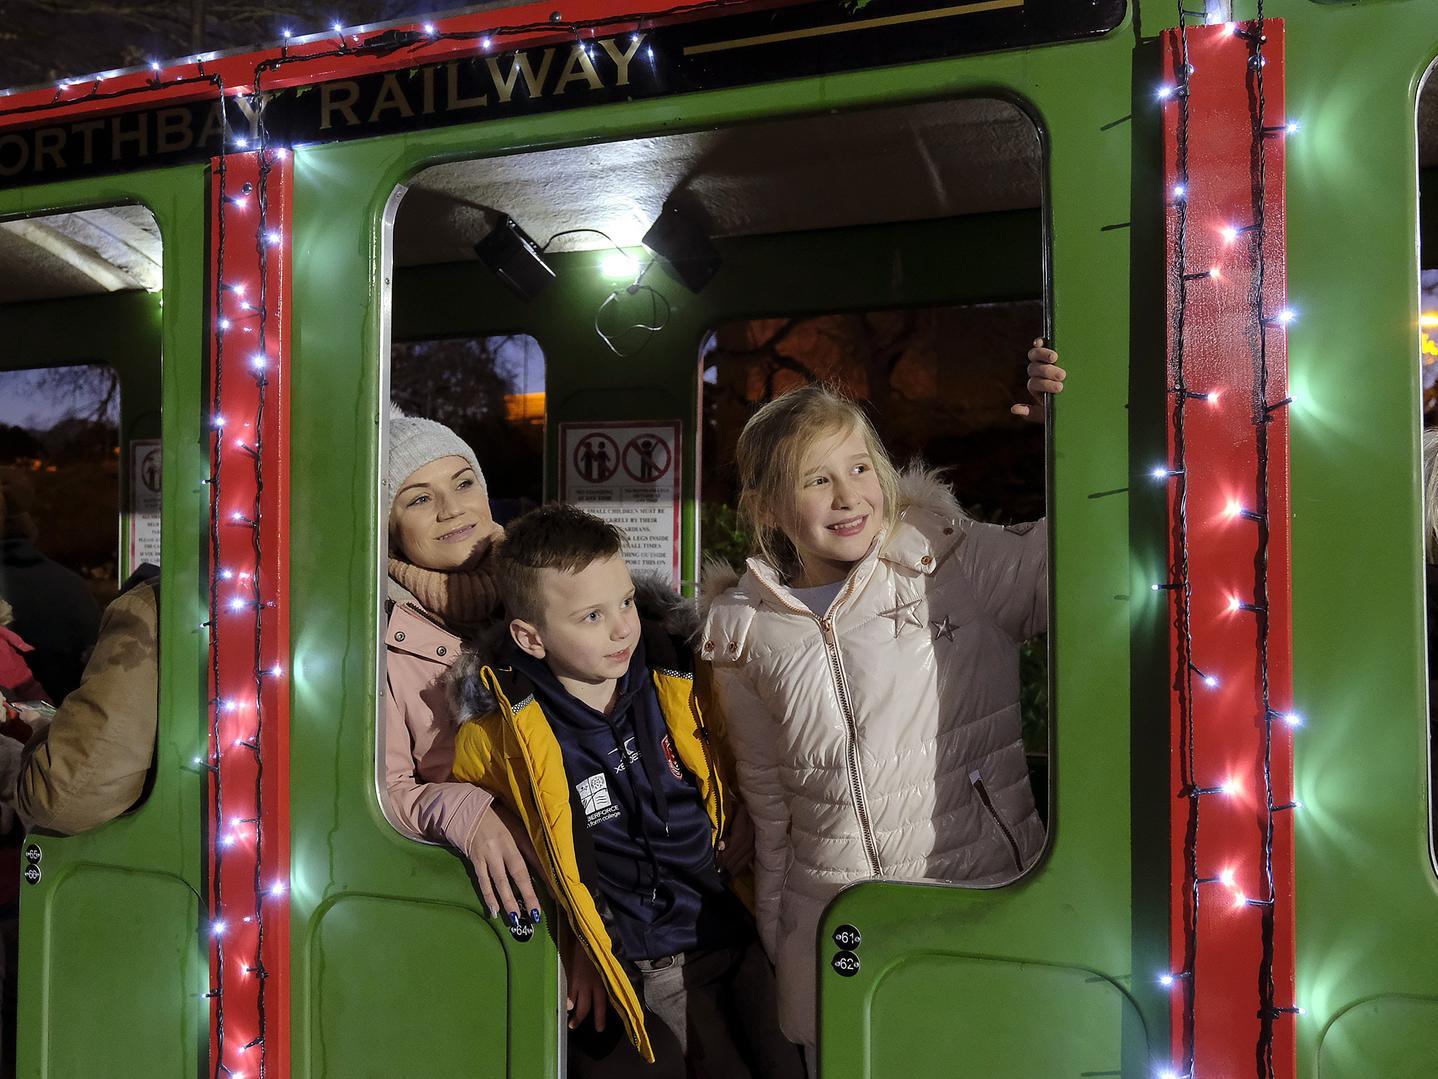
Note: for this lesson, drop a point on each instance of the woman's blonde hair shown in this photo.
(771, 453)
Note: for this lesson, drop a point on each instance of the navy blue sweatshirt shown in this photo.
(658, 886)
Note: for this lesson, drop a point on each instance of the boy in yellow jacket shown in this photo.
(586, 724)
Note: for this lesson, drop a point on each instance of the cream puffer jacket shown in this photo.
(881, 740)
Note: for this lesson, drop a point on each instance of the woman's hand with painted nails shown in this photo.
(498, 850)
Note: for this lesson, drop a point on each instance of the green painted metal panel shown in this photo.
(1036, 1021)
(1392, 1036)
(446, 1021)
(120, 976)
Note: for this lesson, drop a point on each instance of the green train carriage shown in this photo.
(971, 154)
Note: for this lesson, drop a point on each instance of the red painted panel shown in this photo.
(1221, 732)
(248, 814)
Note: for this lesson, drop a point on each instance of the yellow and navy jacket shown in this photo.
(506, 744)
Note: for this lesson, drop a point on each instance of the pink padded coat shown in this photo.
(418, 750)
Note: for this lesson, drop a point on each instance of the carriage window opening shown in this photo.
(79, 426)
(60, 465)
(937, 383)
(873, 299)
(921, 295)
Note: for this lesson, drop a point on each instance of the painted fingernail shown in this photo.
(536, 916)
(513, 920)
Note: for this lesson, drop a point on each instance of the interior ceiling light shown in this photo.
(682, 247)
(514, 256)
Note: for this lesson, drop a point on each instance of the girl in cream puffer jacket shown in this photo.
(875, 724)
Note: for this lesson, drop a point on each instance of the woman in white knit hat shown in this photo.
(441, 541)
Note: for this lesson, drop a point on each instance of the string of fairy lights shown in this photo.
(232, 306)
(1195, 786)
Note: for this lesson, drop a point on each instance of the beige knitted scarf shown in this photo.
(463, 600)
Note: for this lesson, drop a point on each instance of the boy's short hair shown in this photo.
(554, 536)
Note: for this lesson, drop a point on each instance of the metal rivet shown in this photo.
(708, 646)
(733, 648)
(925, 560)
(441, 651)
(399, 635)
(949, 531)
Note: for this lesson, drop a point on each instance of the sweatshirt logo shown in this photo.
(595, 801)
(623, 758)
(671, 757)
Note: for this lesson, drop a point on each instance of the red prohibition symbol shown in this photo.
(647, 458)
(596, 457)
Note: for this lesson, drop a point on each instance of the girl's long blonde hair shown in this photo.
(771, 455)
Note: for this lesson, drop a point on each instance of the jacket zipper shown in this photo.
(977, 780)
(841, 688)
(856, 776)
(719, 821)
(549, 844)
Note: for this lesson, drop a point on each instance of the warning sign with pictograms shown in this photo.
(144, 511)
(628, 473)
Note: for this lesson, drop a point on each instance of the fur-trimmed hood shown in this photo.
(468, 696)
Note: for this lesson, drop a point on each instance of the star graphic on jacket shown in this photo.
(944, 629)
(903, 615)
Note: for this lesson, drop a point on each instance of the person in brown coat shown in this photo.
(90, 765)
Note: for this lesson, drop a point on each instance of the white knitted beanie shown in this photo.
(414, 443)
